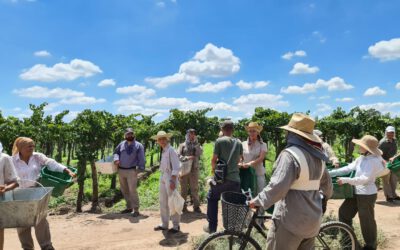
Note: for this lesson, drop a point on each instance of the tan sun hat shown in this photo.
(370, 143)
(302, 125)
(161, 134)
(254, 125)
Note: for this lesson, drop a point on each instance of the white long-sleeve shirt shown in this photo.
(29, 173)
(170, 159)
(367, 169)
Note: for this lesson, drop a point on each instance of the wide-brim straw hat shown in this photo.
(370, 143)
(254, 125)
(161, 134)
(302, 125)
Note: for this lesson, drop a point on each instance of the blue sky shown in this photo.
(150, 56)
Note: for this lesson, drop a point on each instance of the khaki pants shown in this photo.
(191, 181)
(389, 185)
(165, 192)
(128, 183)
(363, 205)
(281, 239)
(42, 231)
(1, 238)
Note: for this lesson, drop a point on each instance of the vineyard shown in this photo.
(92, 135)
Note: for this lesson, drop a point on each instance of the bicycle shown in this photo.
(332, 235)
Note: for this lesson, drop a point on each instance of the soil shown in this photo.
(115, 231)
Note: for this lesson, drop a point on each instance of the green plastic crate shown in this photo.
(343, 191)
(395, 167)
(60, 181)
(248, 179)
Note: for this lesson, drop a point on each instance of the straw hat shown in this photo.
(254, 125)
(370, 143)
(161, 134)
(302, 125)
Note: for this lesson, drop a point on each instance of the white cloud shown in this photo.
(323, 108)
(210, 87)
(82, 100)
(289, 55)
(106, 83)
(160, 4)
(384, 107)
(334, 84)
(61, 71)
(43, 92)
(301, 68)
(319, 36)
(211, 61)
(375, 91)
(140, 92)
(42, 53)
(261, 100)
(345, 99)
(386, 50)
(249, 85)
(51, 106)
(398, 85)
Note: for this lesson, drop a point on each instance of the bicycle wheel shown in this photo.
(226, 240)
(336, 235)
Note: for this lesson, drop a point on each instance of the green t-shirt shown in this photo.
(222, 149)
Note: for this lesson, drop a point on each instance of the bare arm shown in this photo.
(213, 162)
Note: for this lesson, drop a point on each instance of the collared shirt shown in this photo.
(7, 170)
(299, 212)
(252, 151)
(183, 152)
(330, 153)
(389, 148)
(169, 162)
(367, 169)
(29, 173)
(130, 155)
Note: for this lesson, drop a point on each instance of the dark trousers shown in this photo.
(363, 205)
(213, 196)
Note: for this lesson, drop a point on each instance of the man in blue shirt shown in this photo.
(130, 159)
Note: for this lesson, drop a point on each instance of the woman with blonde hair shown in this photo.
(28, 165)
(169, 167)
(368, 166)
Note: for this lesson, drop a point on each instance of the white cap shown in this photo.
(317, 132)
(390, 129)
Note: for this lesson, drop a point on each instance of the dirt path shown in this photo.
(114, 231)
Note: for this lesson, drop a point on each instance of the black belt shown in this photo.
(133, 167)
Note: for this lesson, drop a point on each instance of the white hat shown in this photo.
(390, 129)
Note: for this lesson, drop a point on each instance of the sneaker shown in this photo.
(126, 211)
(136, 214)
(197, 210)
(206, 229)
(160, 228)
(174, 231)
(391, 200)
(397, 198)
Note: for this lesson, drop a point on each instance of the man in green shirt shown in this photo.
(222, 150)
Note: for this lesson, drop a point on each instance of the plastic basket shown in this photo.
(235, 211)
(24, 207)
(60, 181)
(342, 191)
(395, 167)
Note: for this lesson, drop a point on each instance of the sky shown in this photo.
(149, 56)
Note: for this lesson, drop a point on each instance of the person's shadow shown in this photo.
(389, 204)
(124, 216)
(189, 217)
(174, 240)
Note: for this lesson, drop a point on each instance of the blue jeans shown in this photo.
(213, 196)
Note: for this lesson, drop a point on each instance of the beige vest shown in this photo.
(303, 182)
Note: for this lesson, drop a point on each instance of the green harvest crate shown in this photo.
(395, 167)
(60, 181)
(342, 191)
(248, 179)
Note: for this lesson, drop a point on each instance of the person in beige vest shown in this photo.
(191, 150)
(298, 176)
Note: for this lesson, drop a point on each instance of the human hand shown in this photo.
(339, 181)
(252, 204)
(172, 185)
(70, 173)
(2, 189)
(336, 164)
(117, 163)
(392, 159)
(191, 157)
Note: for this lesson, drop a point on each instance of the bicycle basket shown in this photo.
(234, 211)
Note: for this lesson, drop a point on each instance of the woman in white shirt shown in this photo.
(368, 166)
(28, 165)
(169, 167)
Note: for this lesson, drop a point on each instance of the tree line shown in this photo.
(94, 134)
